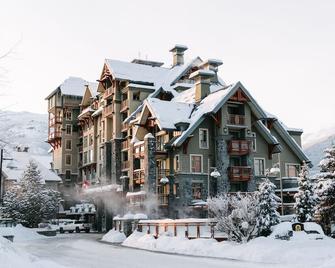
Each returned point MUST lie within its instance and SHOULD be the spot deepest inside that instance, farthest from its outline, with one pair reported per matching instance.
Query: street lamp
(215, 174)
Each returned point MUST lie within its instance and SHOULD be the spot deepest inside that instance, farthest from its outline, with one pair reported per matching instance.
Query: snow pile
(12, 257)
(20, 233)
(114, 237)
(302, 251)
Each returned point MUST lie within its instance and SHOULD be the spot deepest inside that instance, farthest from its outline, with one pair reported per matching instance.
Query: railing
(108, 110)
(139, 150)
(124, 144)
(55, 120)
(124, 104)
(239, 173)
(239, 147)
(236, 119)
(125, 165)
(160, 146)
(108, 92)
(55, 135)
(138, 176)
(162, 173)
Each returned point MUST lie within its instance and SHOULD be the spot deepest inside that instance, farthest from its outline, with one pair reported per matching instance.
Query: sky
(282, 51)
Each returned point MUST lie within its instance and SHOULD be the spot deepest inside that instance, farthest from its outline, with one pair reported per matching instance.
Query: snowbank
(114, 237)
(304, 252)
(20, 233)
(12, 257)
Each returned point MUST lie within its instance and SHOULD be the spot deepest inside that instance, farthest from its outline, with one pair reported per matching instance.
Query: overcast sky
(282, 51)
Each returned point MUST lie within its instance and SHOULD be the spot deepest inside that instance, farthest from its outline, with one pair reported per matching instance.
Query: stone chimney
(178, 54)
(202, 83)
(212, 65)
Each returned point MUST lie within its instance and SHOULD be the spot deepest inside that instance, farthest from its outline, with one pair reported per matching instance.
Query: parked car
(74, 226)
(299, 231)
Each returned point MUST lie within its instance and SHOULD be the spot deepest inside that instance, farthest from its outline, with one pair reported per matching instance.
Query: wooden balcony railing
(124, 127)
(162, 173)
(124, 105)
(108, 110)
(55, 120)
(125, 165)
(239, 147)
(239, 173)
(55, 135)
(108, 92)
(124, 145)
(138, 176)
(236, 119)
(160, 146)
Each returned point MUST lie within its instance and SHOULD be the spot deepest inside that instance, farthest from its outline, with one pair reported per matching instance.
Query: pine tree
(305, 199)
(268, 204)
(29, 201)
(325, 188)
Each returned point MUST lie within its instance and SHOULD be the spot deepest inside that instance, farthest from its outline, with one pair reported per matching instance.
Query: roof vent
(148, 62)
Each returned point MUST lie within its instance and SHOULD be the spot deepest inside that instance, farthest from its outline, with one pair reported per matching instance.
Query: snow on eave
(265, 132)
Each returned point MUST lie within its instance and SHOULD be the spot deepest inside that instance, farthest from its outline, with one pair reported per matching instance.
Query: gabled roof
(73, 86)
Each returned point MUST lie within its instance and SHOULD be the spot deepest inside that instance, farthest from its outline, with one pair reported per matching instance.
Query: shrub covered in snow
(305, 199)
(268, 204)
(236, 215)
(325, 188)
(30, 201)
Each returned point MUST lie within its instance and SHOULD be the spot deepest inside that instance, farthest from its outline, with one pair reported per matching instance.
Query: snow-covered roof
(74, 86)
(101, 189)
(14, 169)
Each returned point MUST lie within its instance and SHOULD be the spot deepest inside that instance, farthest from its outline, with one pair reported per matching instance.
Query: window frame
(201, 162)
(264, 166)
(68, 149)
(207, 142)
(287, 169)
(68, 155)
(254, 142)
(66, 116)
(66, 133)
(177, 160)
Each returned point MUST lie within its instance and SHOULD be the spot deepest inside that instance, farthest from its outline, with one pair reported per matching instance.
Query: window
(136, 96)
(292, 170)
(259, 166)
(68, 160)
(68, 145)
(68, 175)
(68, 129)
(91, 139)
(253, 141)
(196, 190)
(196, 163)
(176, 190)
(203, 138)
(85, 158)
(68, 116)
(85, 141)
(176, 163)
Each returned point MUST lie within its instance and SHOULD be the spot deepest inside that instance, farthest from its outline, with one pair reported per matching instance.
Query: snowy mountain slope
(316, 143)
(24, 128)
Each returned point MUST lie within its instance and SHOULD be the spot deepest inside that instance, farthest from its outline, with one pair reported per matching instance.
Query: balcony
(138, 176)
(124, 165)
(160, 150)
(124, 145)
(108, 93)
(108, 110)
(239, 147)
(124, 105)
(55, 120)
(239, 173)
(236, 119)
(55, 135)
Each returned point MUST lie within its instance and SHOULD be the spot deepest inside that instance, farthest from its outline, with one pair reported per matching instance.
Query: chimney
(212, 65)
(202, 83)
(178, 54)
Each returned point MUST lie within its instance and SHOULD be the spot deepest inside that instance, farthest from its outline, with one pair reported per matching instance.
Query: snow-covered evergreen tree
(325, 188)
(305, 199)
(29, 201)
(268, 204)
(236, 215)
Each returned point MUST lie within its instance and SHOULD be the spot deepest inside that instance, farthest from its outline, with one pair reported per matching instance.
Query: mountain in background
(315, 143)
(26, 129)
